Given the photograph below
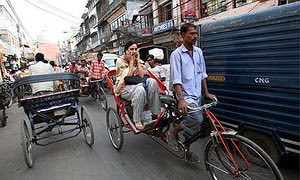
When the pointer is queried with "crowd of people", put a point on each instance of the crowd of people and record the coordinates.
(94, 70)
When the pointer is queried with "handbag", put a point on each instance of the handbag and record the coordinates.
(133, 80)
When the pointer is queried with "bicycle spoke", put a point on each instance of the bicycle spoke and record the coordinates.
(255, 174)
(217, 168)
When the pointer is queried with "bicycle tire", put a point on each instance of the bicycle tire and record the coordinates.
(102, 98)
(248, 148)
(26, 139)
(114, 128)
(87, 126)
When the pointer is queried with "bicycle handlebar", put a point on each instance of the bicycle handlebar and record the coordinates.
(203, 107)
(94, 81)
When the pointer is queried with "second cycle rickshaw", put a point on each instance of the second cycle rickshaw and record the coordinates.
(227, 155)
(94, 89)
(51, 116)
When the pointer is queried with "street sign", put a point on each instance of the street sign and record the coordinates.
(164, 26)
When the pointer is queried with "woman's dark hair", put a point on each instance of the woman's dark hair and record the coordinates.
(128, 44)
(184, 28)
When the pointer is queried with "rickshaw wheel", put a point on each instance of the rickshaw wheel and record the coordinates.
(102, 98)
(87, 127)
(27, 142)
(114, 128)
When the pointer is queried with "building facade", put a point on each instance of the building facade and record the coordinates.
(154, 22)
(14, 38)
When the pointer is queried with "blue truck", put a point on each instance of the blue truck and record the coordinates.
(253, 66)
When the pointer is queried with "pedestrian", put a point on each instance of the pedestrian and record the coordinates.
(188, 77)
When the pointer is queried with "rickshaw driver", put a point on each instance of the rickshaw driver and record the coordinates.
(188, 76)
(97, 69)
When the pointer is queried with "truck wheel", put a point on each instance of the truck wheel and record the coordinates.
(265, 142)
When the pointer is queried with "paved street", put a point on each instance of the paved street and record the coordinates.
(140, 158)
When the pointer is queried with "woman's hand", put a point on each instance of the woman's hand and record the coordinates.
(137, 57)
(129, 58)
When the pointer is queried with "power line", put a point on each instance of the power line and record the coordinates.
(52, 13)
(57, 9)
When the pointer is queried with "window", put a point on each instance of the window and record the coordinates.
(150, 20)
(168, 11)
(119, 22)
(211, 7)
(123, 20)
(94, 38)
(240, 3)
(146, 21)
(165, 12)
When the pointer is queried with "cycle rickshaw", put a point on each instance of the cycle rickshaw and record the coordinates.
(51, 114)
(94, 89)
(227, 155)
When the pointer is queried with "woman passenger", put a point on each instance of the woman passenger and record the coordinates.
(138, 94)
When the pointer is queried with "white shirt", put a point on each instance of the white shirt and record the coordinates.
(38, 69)
(158, 71)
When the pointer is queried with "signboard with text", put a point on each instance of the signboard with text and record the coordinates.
(164, 26)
